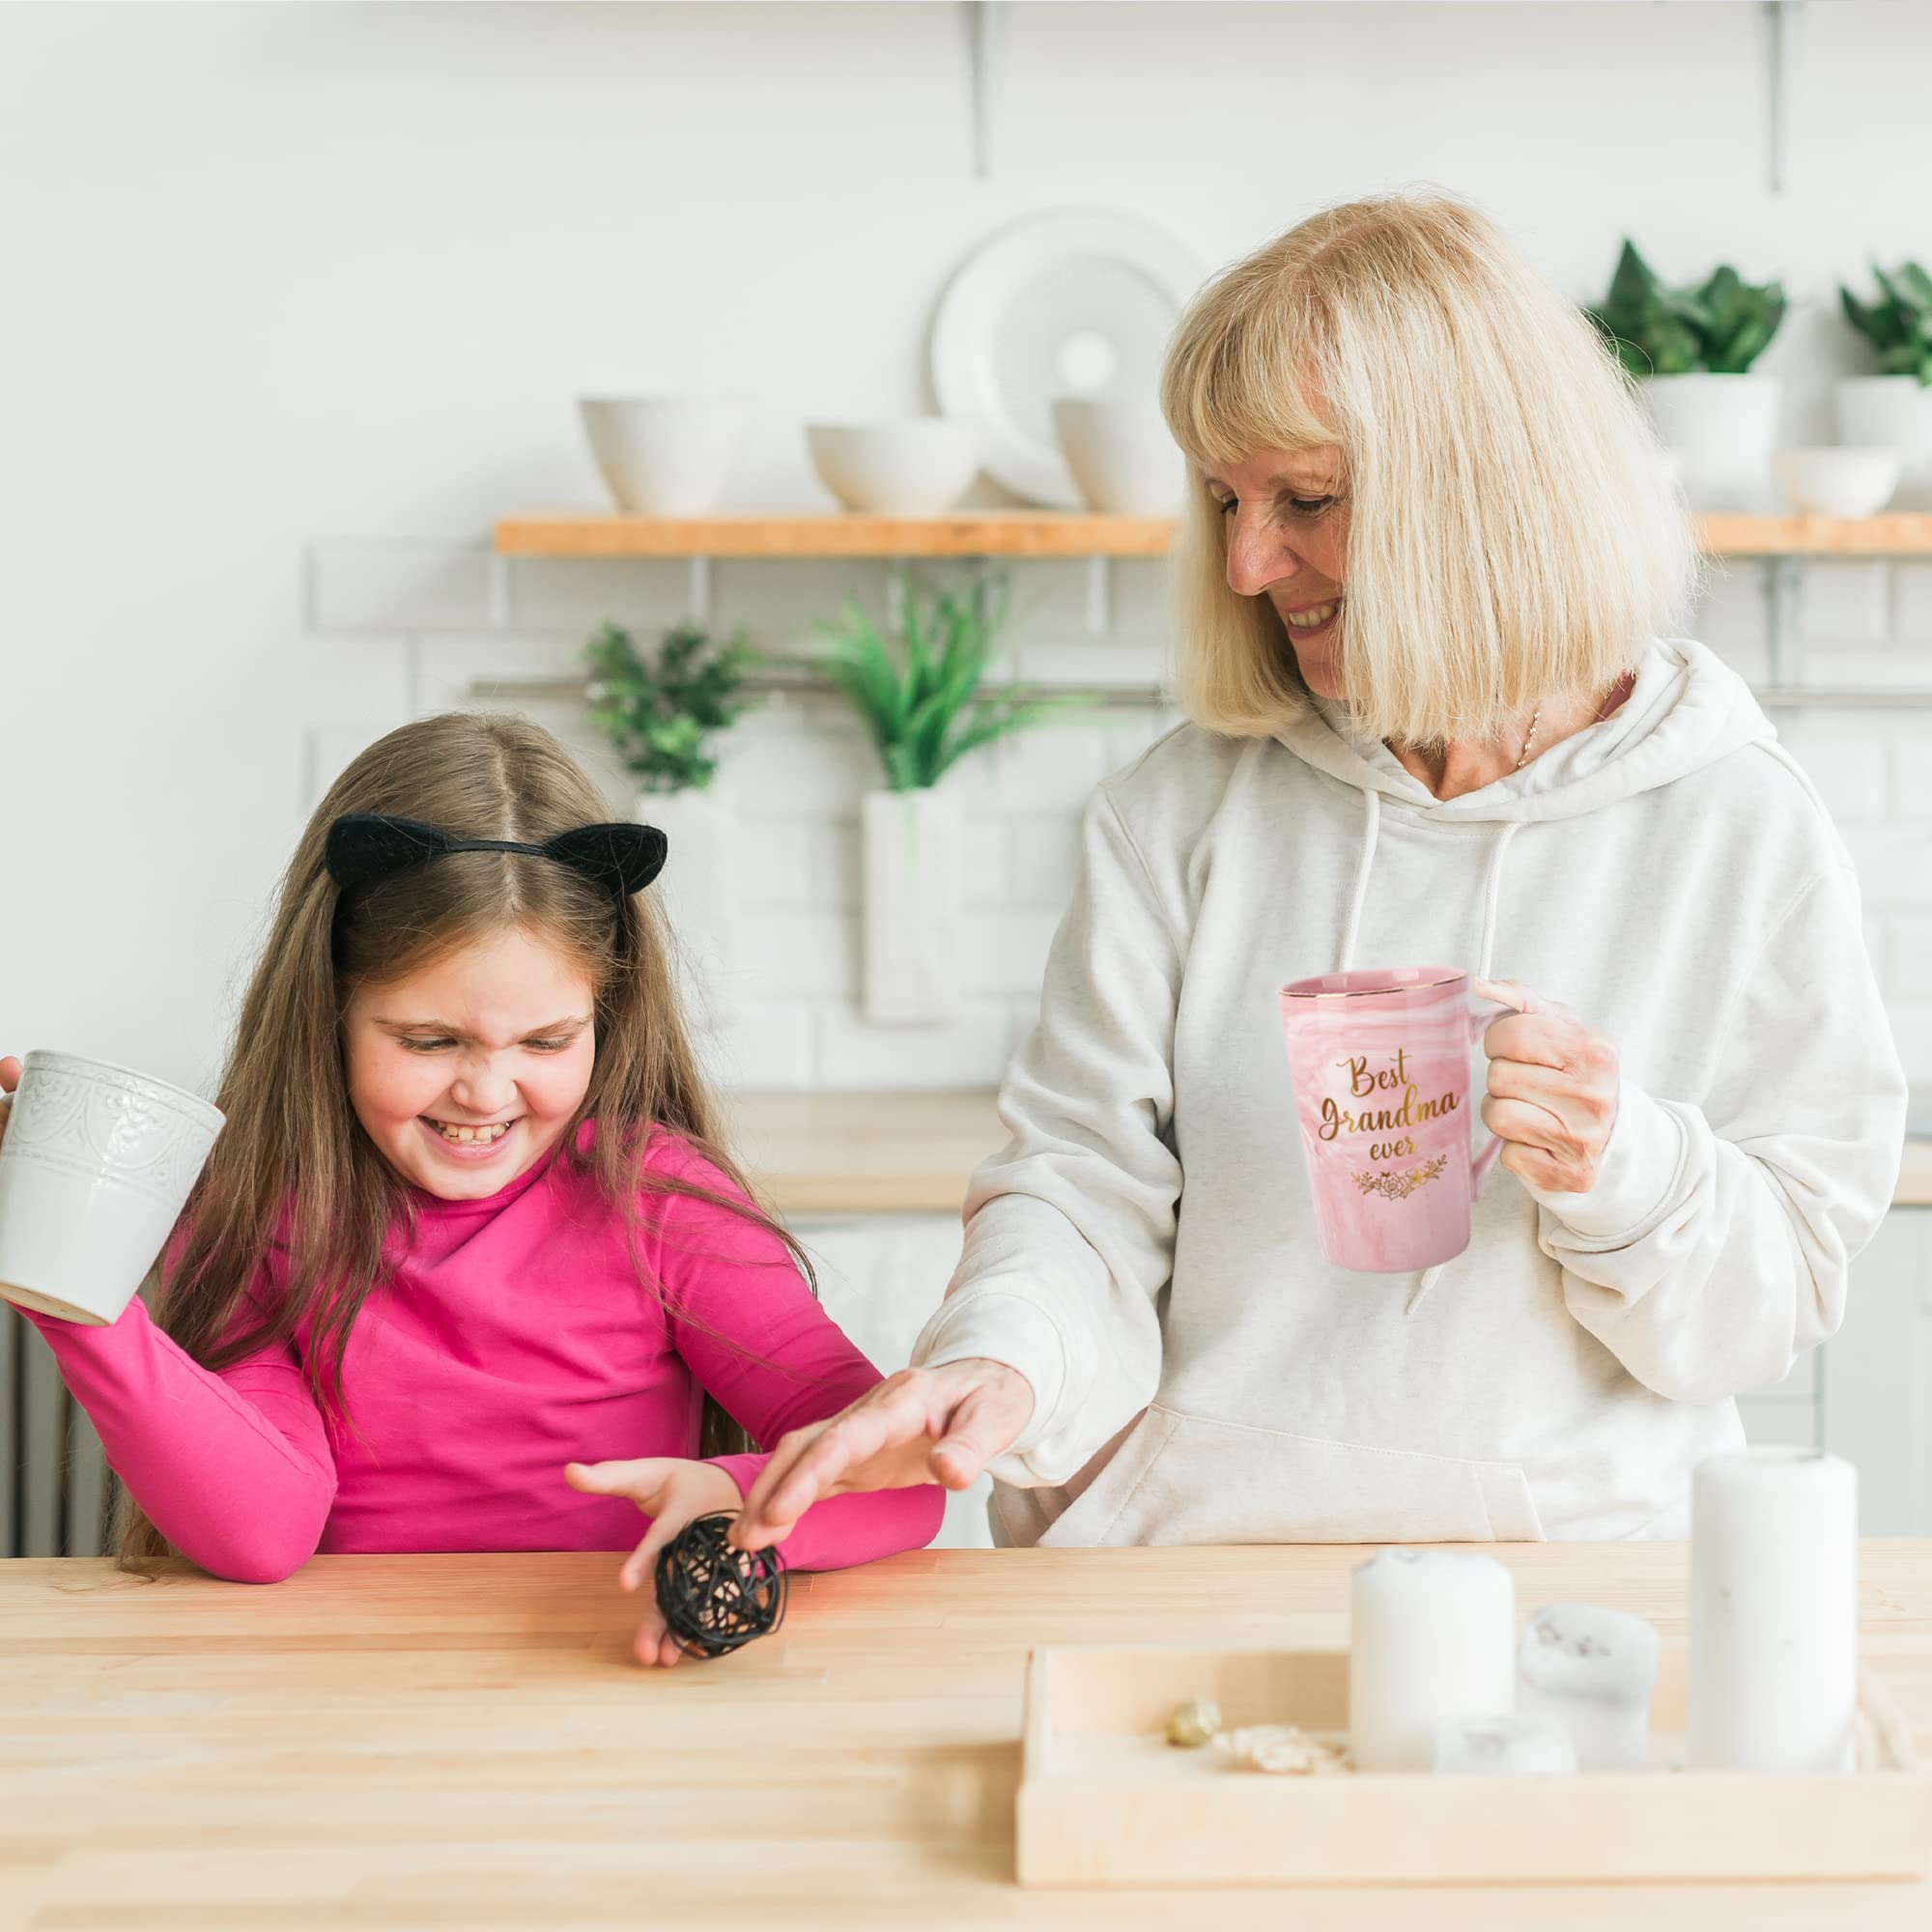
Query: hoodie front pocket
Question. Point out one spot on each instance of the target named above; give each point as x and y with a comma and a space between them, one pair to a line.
1184, 1479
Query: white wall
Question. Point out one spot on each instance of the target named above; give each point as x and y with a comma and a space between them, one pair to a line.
292, 303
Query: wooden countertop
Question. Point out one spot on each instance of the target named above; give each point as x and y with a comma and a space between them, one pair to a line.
913, 1153
462, 1740
1914, 1178
873, 1153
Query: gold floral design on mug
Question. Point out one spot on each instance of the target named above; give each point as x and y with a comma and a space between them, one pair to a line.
1395, 1186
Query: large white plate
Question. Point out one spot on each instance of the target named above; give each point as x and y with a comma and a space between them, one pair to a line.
1080, 302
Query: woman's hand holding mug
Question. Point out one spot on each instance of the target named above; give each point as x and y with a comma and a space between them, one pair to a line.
1552, 1088
1379, 1062
940, 1424
10, 1078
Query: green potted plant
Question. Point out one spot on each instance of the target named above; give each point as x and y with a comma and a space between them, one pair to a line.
664, 713
1893, 409
922, 703
1691, 347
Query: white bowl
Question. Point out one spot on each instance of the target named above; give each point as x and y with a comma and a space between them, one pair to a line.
1840, 481
917, 468
1121, 457
664, 456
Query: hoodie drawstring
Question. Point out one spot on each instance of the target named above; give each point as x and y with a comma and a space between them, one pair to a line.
1492, 888
1372, 818
1493, 893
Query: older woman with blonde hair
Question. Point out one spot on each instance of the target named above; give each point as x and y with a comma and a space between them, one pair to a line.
1431, 571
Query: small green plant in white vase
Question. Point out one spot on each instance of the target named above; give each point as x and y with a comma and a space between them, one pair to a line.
924, 706
1898, 326
1893, 409
1691, 347
922, 703
664, 715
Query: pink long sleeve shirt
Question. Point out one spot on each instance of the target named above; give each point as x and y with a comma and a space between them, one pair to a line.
509, 1337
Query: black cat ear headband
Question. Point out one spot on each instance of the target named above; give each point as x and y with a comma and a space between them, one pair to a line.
366, 845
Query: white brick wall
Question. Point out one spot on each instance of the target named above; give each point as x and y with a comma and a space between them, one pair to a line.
799, 766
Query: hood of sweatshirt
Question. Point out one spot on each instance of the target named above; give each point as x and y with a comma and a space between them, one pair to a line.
1686, 710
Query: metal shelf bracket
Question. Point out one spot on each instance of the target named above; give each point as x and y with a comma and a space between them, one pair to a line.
1780, 24
986, 35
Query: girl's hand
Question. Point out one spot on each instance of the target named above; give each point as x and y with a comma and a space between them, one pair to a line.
673, 1493
1552, 1095
10, 1078
939, 1424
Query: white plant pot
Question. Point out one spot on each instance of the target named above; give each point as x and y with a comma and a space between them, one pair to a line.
1892, 412
698, 888
1724, 429
912, 876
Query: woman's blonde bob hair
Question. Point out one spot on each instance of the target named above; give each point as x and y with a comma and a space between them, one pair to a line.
1512, 538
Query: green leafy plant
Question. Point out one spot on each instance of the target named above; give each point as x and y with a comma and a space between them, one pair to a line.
922, 702
1721, 326
1899, 326
661, 712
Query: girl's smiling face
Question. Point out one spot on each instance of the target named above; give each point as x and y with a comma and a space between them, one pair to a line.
465, 1072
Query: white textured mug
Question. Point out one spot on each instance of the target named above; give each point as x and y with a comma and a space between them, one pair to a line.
95, 1168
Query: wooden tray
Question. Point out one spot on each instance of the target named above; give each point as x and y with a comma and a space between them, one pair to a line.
1104, 1800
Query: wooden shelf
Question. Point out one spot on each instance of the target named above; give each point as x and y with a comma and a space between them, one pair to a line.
981, 534
1901, 534
1064, 533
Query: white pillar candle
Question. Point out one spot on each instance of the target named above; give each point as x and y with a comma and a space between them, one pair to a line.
1432, 1635
1773, 1612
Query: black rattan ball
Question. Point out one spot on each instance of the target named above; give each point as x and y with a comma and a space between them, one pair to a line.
716, 1599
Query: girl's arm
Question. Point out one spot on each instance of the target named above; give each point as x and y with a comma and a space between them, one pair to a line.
234, 1469
743, 1317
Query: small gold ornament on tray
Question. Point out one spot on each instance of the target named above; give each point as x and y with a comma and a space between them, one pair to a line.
1193, 1725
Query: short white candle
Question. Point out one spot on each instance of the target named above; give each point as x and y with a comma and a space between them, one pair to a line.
1773, 1612
1504, 1747
1595, 1669
1432, 1635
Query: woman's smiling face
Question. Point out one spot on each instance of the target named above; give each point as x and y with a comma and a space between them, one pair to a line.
465, 1072
1285, 516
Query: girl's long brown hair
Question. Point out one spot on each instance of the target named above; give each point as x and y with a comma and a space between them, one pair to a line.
292, 1146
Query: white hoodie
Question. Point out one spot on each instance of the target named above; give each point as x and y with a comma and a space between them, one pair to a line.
1143, 1249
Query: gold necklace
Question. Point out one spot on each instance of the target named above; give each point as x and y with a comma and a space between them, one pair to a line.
1536, 719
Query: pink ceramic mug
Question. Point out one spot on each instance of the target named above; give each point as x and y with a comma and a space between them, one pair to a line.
1381, 1063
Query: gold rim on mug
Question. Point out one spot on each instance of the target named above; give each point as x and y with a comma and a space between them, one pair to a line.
1288, 992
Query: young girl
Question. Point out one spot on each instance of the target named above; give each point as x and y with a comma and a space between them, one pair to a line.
467, 1258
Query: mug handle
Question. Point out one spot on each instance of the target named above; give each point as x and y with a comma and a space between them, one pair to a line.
1479, 1167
